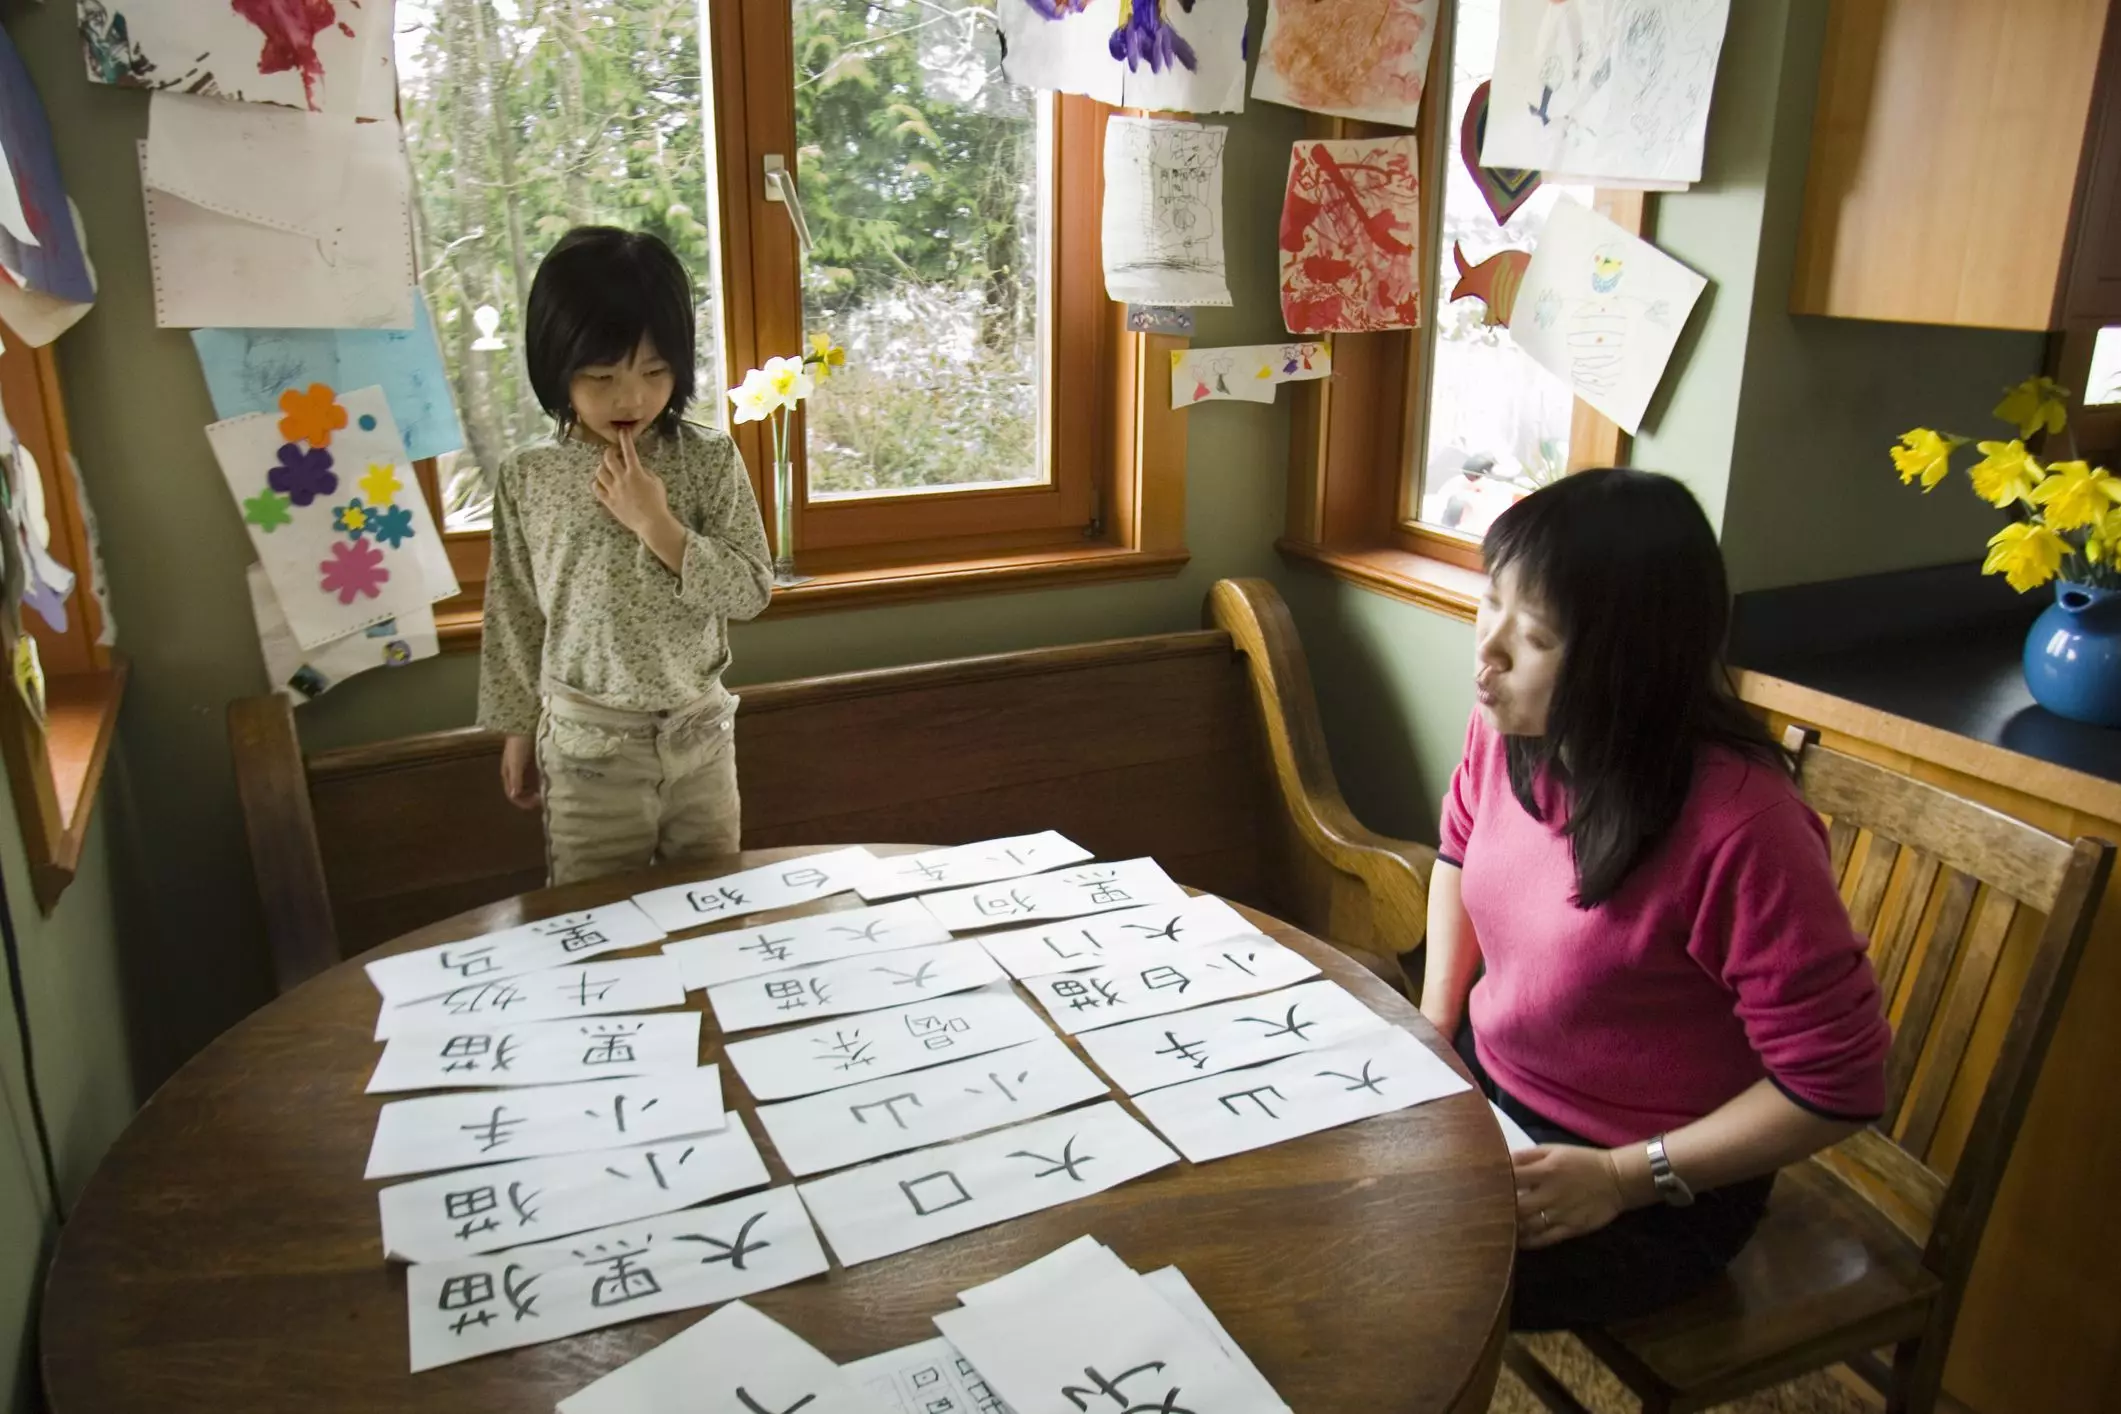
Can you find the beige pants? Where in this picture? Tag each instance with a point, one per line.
(624, 790)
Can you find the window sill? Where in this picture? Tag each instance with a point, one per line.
(459, 620)
(70, 753)
(1442, 588)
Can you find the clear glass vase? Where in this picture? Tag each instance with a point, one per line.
(784, 524)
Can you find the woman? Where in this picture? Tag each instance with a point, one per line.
(1670, 998)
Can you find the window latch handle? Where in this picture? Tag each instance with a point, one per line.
(780, 187)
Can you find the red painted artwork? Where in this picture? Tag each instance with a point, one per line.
(291, 28)
(1349, 257)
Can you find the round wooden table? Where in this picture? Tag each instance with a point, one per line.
(227, 1255)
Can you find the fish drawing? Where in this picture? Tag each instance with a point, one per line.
(1494, 281)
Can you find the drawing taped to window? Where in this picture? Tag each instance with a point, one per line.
(1612, 90)
(1602, 310)
(1163, 226)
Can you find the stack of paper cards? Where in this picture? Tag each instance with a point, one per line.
(963, 865)
(1371, 1073)
(807, 1059)
(1174, 981)
(783, 885)
(851, 985)
(737, 1361)
(1114, 937)
(925, 1196)
(525, 1295)
(804, 942)
(529, 947)
(927, 1378)
(1079, 1327)
(1071, 893)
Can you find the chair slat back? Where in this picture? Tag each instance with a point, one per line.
(1938, 881)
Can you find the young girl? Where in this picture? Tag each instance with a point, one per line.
(1671, 1000)
(620, 552)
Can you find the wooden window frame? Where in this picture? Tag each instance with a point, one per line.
(55, 768)
(1354, 472)
(1114, 504)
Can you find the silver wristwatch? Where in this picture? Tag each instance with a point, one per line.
(1670, 1186)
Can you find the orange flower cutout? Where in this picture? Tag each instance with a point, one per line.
(312, 416)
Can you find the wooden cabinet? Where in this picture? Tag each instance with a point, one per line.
(1958, 164)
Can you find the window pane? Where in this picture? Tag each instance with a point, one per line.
(525, 118)
(1498, 424)
(925, 184)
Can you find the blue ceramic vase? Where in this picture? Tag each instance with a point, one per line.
(2073, 655)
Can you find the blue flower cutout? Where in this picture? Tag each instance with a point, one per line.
(392, 525)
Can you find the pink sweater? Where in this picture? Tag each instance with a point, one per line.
(1725, 956)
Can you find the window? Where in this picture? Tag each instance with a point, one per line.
(987, 409)
(1425, 436)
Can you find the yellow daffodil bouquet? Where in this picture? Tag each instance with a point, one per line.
(2069, 512)
(775, 391)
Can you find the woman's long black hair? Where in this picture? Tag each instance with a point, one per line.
(1626, 564)
(598, 293)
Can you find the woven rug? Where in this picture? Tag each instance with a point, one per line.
(1591, 1382)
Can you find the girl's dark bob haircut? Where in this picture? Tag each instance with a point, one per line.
(1630, 570)
(596, 296)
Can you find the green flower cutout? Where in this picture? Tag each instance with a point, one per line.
(268, 511)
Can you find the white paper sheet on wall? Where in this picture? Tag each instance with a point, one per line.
(540, 1053)
(483, 1210)
(897, 1204)
(730, 956)
(737, 1361)
(584, 989)
(216, 270)
(1605, 88)
(1364, 59)
(900, 1112)
(525, 1295)
(322, 58)
(458, 1131)
(301, 674)
(1163, 213)
(1070, 49)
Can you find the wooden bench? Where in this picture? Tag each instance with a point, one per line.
(1202, 749)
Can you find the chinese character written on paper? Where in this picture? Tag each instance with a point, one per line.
(472, 1296)
(618, 1112)
(573, 936)
(846, 1050)
(464, 1053)
(469, 962)
(611, 1043)
(1080, 1396)
(937, 1033)
(1083, 996)
(794, 994)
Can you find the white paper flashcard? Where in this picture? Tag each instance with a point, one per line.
(1604, 88)
(1602, 309)
(805, 941)
(1369, 1074)
(1048, 948)
(482, 1210)
(1168, 982)
(540, 1053)
(737, 1361)
(961, 866)
(857, 1123)
(851, 985)
(806, 1059)
(793, 881)
(1162, 224)
(1107, 1335)
(583, 989)
(1512, 1132)
(1071, 893)
(927, 1378)
(697, 1257)
(1168, 1050)
(528, 947)
(930, 1194)
(1171, 1284)
(439, 1132)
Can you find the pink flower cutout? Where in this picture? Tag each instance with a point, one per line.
(353, 570)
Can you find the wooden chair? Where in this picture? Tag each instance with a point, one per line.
(1869, 1244)
(1200, 748)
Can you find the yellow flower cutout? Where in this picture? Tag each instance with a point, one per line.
(2074, 495)
(1925, 454)
(381, 484)
(825, 355)
(2027, 554)
(2034, 404)
(2005, 473)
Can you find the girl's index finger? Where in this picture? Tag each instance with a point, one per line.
(626, 449)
